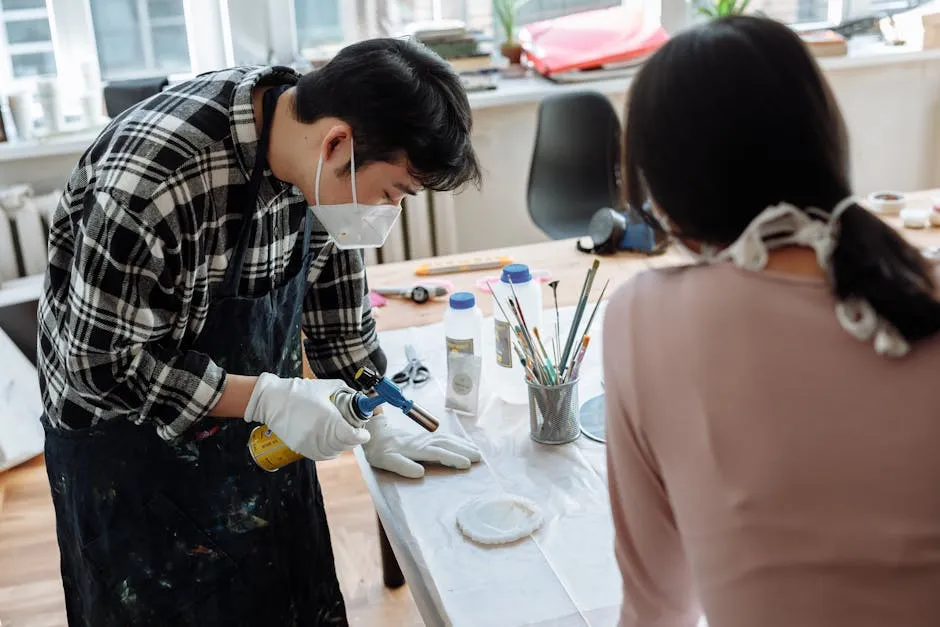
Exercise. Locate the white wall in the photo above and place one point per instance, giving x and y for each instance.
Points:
(892, 115)
(891, 110)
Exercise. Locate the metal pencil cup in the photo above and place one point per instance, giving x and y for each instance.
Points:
(553, 413)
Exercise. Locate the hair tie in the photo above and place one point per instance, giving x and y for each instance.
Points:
(840, 208)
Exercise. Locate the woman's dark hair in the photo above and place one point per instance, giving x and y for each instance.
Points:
(398, 97)
(734, 116)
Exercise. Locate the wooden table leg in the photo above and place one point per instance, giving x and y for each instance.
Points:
(391, 571)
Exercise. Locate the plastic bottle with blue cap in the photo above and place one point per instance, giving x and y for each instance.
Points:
(510, 376)
(463, 325)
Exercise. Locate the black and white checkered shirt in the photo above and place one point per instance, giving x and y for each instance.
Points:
(140, 243)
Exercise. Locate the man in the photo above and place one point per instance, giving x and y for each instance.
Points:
(196, 238)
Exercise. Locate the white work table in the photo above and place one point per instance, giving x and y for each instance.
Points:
(562, 575)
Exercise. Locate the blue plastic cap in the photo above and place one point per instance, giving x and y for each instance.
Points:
(462, 300)
(516, 273)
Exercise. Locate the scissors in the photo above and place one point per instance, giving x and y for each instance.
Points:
(415, 373)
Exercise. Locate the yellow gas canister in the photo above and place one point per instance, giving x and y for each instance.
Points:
(269, 451)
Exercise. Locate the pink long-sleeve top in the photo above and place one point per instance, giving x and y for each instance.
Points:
(766, 468)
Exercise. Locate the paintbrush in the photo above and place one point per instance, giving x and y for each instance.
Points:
(525, 364)
(551, 367)
(576, 364)
(572, 331)
(579, 311)
(587, 328)
(528, 347)
(512, 289)
(501, 310)
(509, 323)
(554, 286)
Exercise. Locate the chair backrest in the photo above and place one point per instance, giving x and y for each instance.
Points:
(575, 162)
(122, 95)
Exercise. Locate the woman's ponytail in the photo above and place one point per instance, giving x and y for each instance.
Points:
(872, 262)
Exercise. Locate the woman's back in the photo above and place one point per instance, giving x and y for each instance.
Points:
(801, 469)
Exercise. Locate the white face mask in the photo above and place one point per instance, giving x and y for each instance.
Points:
(785, 225)
(353, 225)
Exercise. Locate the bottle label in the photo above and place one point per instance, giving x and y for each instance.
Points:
(268, 451)
(503, 344)
(460, 346)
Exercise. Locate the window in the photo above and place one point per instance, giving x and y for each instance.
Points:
(318, 22)
(327, 22)
(536, 10)
(796, 11)
(137, 38)
(27, 33)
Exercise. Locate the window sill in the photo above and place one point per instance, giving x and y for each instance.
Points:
(510, 92)
(533, 88)
(65, 143)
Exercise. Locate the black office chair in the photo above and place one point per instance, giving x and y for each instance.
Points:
(575, 162)
(122, 95)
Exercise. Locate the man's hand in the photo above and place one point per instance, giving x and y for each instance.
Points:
(300, 413)
(397, 450)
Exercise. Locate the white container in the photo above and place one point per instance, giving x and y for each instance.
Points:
(91, 109)
(888, 203)
(23, 112)
(463, 325)
(915, 217)
(49, 97)
(510, 376)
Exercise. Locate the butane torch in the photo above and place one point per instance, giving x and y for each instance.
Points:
(270, 453)
(382, 390)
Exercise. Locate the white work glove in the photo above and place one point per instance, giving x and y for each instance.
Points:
(300, 413)
(397, 450)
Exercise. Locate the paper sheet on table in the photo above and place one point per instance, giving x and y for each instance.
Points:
(21, 433)
(564, 574)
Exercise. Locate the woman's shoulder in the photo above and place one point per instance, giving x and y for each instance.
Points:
(653, 284)
(643, 304)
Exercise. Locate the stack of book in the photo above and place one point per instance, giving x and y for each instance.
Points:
(825, 43)
(463, 49)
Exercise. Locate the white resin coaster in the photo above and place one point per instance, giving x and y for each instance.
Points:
(499, 519)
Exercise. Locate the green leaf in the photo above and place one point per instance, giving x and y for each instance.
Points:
(744, 5)
(506, 12)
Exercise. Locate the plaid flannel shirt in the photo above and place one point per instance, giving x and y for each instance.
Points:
(140, 242)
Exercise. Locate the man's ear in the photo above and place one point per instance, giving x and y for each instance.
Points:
(336, 143)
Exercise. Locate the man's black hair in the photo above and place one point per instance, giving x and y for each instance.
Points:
(400, 99)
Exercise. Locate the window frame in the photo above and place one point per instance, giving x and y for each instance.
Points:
(73, 39)
(8, 50)
(73, 42)
(200, 47)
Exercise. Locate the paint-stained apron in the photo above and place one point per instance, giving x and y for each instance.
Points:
(195, 533)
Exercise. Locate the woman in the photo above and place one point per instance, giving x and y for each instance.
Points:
(773, 429)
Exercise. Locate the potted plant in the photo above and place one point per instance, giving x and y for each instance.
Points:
(507, 12)
(721, 8)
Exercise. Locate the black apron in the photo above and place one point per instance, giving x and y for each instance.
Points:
(194, 533)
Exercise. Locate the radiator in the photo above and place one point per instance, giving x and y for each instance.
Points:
(426, 229)
(24, 226)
